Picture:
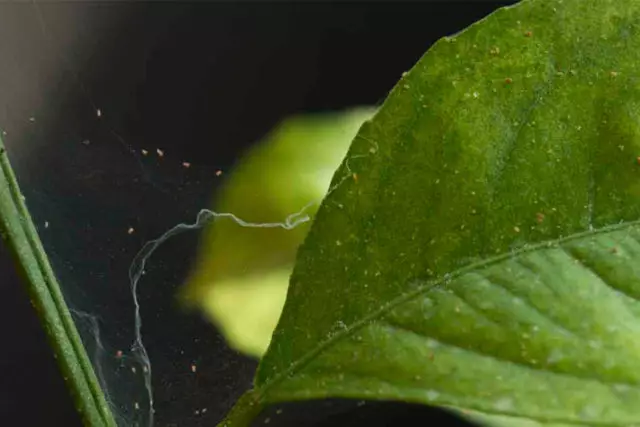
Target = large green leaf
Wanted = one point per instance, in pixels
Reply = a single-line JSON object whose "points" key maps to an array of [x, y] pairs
{"points": [[488, 256]]}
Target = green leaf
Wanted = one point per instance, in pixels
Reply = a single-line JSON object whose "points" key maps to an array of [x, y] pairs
{"points": [[488, 257], [19, 234], [241, 276]]}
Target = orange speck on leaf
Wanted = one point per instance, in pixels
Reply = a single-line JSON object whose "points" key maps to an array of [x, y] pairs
{"points": [[508, 80]]}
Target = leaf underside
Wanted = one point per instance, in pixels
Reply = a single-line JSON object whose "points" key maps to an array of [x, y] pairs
{"points": [[487, 258]]}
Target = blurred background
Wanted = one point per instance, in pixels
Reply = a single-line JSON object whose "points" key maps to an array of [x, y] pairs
{"points": [[123, 119]]}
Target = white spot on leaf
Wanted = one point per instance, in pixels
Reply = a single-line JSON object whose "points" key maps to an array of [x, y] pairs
{"points": [[432, 395], [503, 404]]}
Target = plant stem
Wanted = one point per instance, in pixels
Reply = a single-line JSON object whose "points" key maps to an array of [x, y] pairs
{"points": [[244, 411], [19, 233]]}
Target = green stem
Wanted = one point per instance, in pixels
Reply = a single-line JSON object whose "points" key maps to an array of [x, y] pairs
{"points": [[19, 233], [244, 411]]}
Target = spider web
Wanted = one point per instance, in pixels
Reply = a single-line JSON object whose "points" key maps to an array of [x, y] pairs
{"points": [[116, 257]]}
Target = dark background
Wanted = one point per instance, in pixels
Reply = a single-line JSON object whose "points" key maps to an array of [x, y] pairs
{"points": [[202, 81]]}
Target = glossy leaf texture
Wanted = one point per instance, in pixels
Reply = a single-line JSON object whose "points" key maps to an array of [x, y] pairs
{"points": [[487, 258]]}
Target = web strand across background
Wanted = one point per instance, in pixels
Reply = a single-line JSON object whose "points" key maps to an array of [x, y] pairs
{"points": [[103, 106]]}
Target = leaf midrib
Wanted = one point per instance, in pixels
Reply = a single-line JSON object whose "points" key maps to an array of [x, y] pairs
{"points": [[296, 365]]}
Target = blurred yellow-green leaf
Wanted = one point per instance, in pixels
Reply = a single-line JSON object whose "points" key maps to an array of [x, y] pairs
{"points": [[241, 274]]}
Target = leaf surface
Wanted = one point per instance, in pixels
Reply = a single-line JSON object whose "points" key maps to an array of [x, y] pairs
{"points": [[488, 256]]}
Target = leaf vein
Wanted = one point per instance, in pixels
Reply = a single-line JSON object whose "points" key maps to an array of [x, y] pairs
{"points": [[263, 389]]}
